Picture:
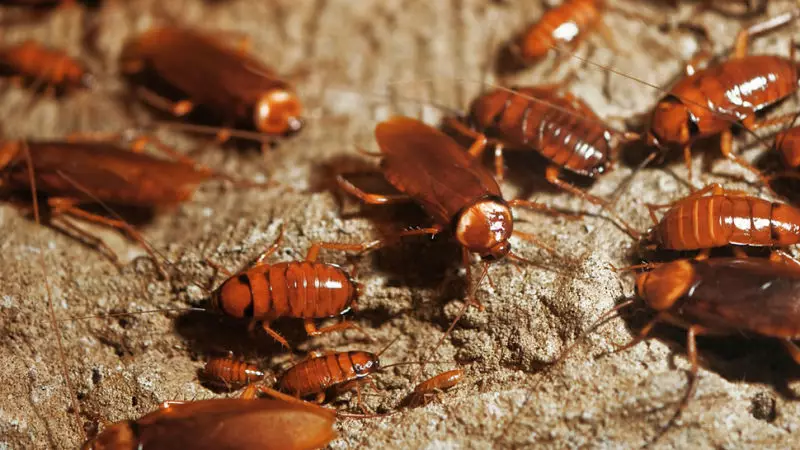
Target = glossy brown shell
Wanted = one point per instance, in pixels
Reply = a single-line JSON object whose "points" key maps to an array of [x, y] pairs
{"points": [[223, 424], [788, 145], [732, 295], [564, 129], [564, 25], [432, 168], [736, 89], [300, 289], [109, 173], [321, 374], [719, 220], [231, 374], [205, 71]]}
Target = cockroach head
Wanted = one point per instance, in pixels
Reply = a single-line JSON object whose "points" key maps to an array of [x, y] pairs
{"points": [[672, 124], [118, 435], [278, 112], [485, 227], [661, 287], [365, 363]]}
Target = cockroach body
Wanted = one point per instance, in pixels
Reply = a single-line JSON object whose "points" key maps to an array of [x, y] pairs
{"points": [[305, 290], [228, 373], [38, 64], [701, 222], [712, 101], [560, 127], [229, 84], [325, 376], [74, 173], [222, 424], [563, 26], [787, 143], [428, 389]]}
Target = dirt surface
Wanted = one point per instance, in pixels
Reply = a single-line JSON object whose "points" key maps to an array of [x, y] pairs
{"points": [[355, 64]]}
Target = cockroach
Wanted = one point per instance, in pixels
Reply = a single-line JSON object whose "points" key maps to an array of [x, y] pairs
{"points": [[559, 126], [787, 143], [44, 66], [306, 290], [712, 101], [563, 26], [201, 71], [99, 172], [230, 373], [222, 424], [431, 169], [428, 390], [701, 222]]}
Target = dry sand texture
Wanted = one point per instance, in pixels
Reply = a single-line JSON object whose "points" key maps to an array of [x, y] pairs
{"points": [[356, 63]]}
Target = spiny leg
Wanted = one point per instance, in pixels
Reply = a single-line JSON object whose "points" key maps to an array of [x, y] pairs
{"points": [[265, 326], [552, 174], [369, 198], [691, 350], [312, 330], [178, 109], [520, 203], [271, 249], [96, 241], [726, 147], [643, 334]]}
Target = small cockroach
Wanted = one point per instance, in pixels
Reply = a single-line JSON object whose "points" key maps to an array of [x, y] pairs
{"points": [[426, 391], [222, 424], [231, 374], [712, 101], [43, 66], [701, 222], [563, 26], [98, 172], [306, 290], [203, 72], [787, 143], [559, 126]]}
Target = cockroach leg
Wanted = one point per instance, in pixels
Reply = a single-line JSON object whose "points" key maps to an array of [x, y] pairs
{"points": [[97, 242], [793, 349], [366, 197], [313, 251], [312, 329], [726, 147], [477, 148], [520, 203], [178, 109], [271, 249], [218, 267], [643, 334], [779, 255], [531, 238], [552, 174], [69, 207], [265, 326]]}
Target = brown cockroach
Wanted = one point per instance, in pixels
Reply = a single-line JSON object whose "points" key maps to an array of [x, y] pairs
{"points": [[712, 101], [559, 126], [222, 424], [100, 172], [426, 391], [43, 66], [229, 84], [306, 290], [701, 222], [231, 374]]}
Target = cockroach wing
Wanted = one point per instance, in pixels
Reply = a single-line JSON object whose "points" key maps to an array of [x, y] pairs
{"points": [[432, 168], [745, 295], [237, 424]]}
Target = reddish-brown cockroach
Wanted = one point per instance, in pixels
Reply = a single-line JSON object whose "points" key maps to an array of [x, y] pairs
{"points": [[565, 25], [231, 374], [306, 290], [559, 126], [712, 101], [99, 172], [426, 391], [701, 222], [222, 424], [229, 84], [43, 66], [788, 145]]}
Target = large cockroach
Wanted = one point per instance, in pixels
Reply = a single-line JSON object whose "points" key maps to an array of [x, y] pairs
{"points": [[701, 222], [44, 67], [99, 172], [222, 424], [712, 101], [559, 126], [302, 289], [200, 71]]}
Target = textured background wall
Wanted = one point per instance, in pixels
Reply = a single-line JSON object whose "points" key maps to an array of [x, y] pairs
{"points": [[355, 63]]}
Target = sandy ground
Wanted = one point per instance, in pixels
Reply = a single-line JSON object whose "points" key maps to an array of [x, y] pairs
{"points": [[355, 64]]}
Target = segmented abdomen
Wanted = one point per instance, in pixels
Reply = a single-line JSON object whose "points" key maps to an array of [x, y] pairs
{"points": [[317, 375], [720, 220], [231, 374], [564, 24], [298, 289]]}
